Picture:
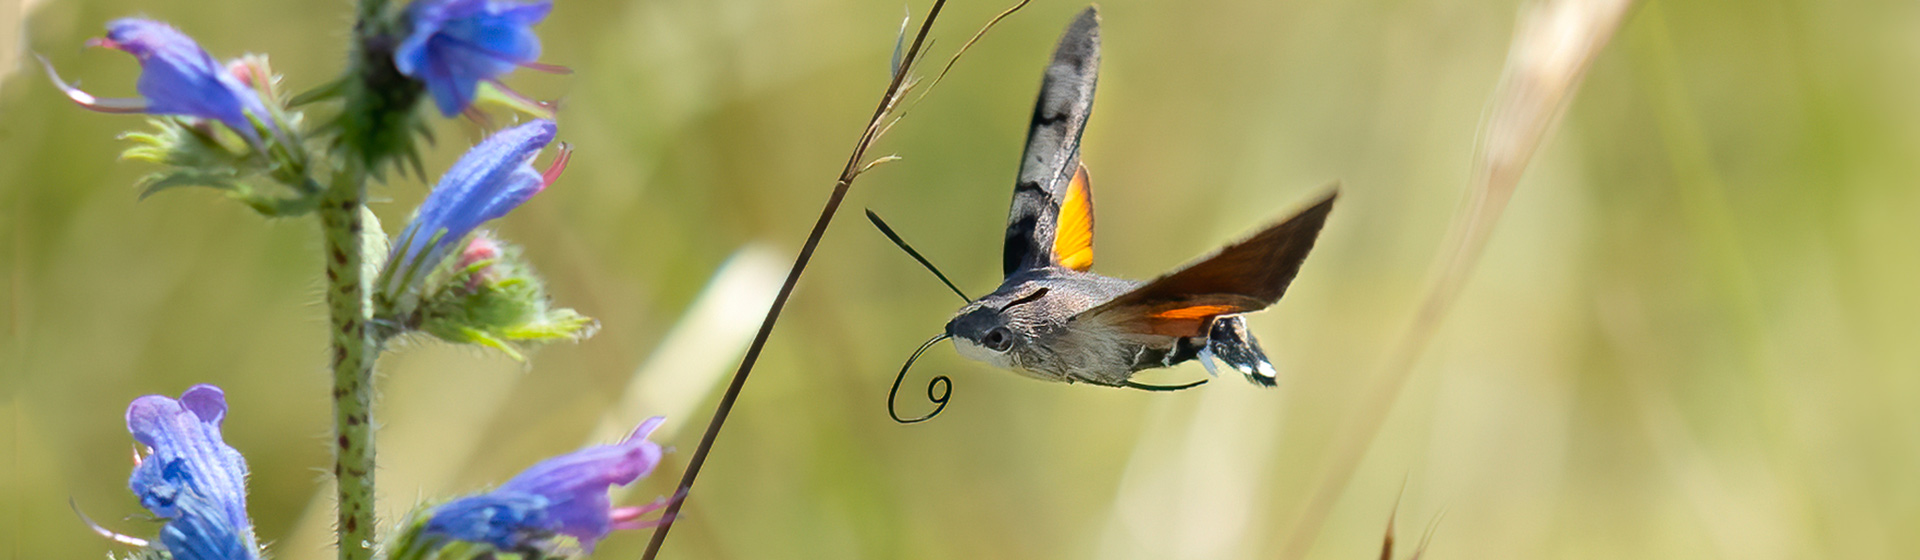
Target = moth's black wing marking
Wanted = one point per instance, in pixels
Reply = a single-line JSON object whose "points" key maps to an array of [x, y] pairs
{"points": [[1053, 145]]}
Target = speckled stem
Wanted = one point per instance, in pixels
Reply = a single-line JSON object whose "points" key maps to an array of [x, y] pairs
{"points": [[355, 347], [350, 279]]}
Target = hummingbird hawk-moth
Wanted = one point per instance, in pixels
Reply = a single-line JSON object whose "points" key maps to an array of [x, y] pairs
{"points": [[1054, 319]]}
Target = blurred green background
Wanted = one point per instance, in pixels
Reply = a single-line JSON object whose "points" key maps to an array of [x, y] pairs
{"points": [[1693, 335]]}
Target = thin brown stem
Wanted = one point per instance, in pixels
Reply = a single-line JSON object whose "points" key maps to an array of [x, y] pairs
{"points": [[840, 188]]}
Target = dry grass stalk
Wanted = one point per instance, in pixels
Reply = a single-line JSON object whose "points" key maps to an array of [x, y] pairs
{"points": [[1554, 43], [857, 163]]}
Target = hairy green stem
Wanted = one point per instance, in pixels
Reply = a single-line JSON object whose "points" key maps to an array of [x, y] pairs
{"points": [[373, 128], [355, 347]]}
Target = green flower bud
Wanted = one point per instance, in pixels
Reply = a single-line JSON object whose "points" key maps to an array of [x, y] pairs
{"points": [[489, 296]]}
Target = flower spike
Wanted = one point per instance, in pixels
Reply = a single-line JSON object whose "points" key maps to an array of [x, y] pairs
{"points": [[191, 477], [177, 77], [454, 45], [565, 496], [492, 179]]}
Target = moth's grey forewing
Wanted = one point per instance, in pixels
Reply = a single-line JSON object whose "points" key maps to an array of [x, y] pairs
{"points": [[1053, 145], [1243, 277]]}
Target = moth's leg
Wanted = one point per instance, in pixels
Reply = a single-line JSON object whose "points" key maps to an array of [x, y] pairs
{"points": [[1206, 359], [1130, 384]]}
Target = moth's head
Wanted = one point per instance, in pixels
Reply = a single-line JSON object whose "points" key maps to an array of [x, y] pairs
{"points": [[995, 328]]}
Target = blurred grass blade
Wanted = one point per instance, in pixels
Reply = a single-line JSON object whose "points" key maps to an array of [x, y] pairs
{"points": [[1554, 43], [1737, 523], [1190, 486], [688, 363]]}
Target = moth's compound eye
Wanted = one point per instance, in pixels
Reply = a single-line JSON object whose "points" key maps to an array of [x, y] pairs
{"points": [[999, 339]]}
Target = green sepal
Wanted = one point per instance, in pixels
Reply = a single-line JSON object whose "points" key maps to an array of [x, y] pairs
{"points": [[192, 144], [199, 153], [490, 93], [333, 89], [410, 542], [498, 303], [374, 245], [377, 127], [196, 154], [381, 109]]}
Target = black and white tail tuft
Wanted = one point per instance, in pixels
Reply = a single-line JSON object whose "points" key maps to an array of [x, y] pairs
{"points": [[1231, 342]]}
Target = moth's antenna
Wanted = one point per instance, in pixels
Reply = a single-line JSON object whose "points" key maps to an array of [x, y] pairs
{"points": [[938, 389], [902, 243], [1163, 388]]}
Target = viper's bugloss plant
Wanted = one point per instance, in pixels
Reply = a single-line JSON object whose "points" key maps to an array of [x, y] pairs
{"points": [[492, 179], [451, 51], [453, 46], [190, 476], [483, 293], [557, 508], [213, 124], [488, 295], [226, 126], [178, 78]]}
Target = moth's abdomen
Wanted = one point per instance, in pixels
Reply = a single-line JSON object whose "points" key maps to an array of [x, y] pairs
{"points": [[1179, 350]]}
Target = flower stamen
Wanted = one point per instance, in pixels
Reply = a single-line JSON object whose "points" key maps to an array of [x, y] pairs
{"points": [[87, 100], [544, 67], [559, 165], [128, 540]]}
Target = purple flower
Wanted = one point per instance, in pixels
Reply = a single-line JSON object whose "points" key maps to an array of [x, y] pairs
{"points": [[191, 477], [453, 45], [176, 78], [565, 495], [492, 179]]}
